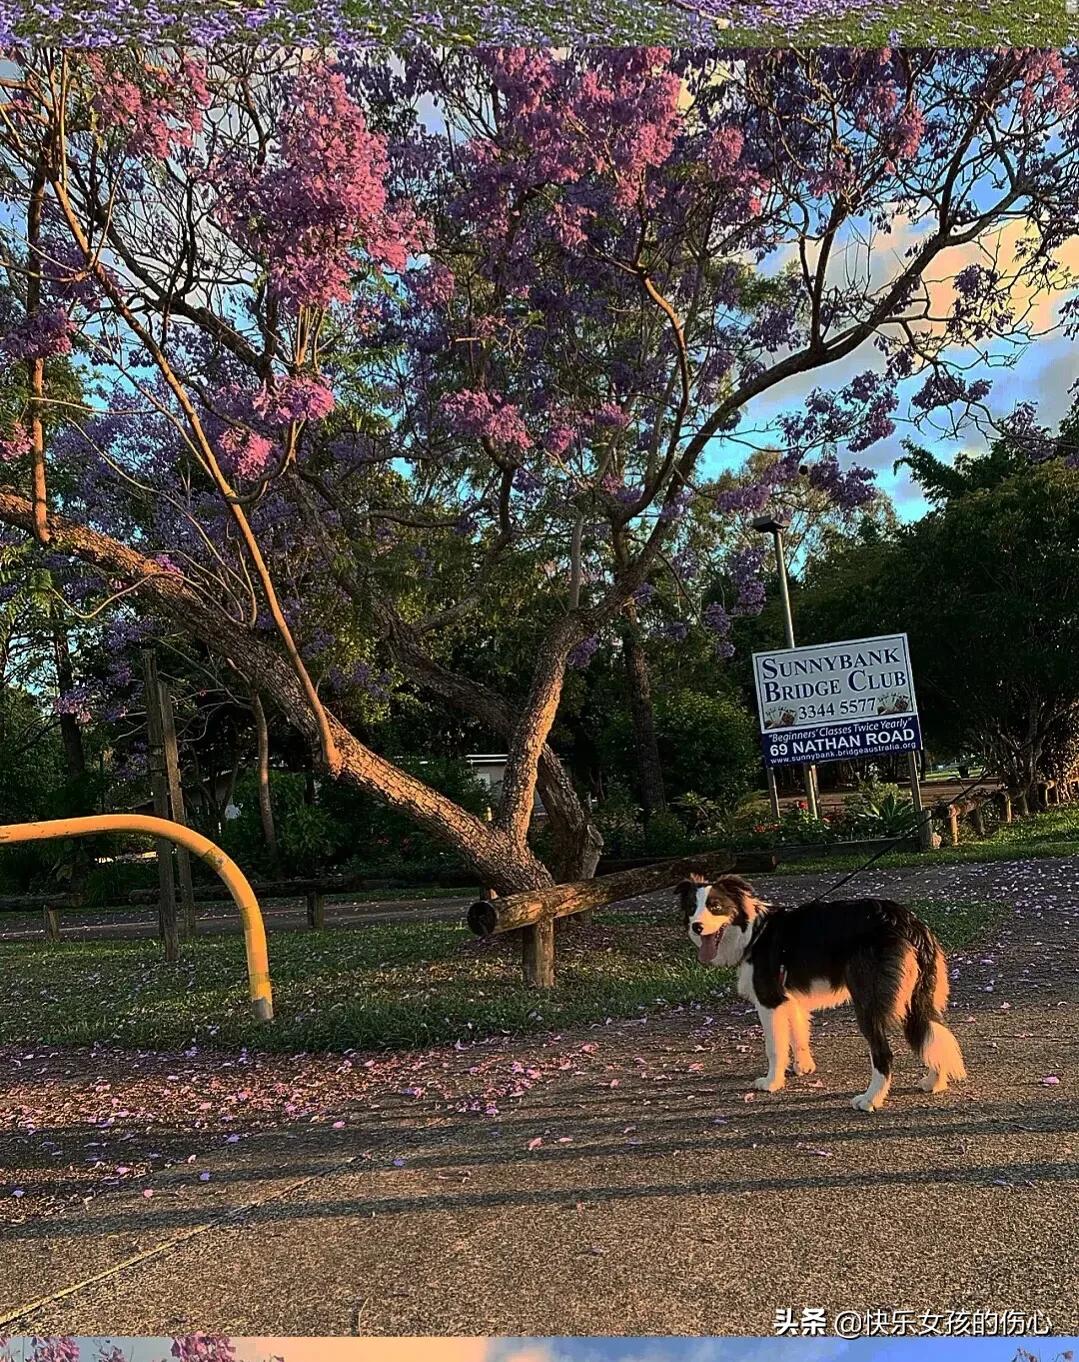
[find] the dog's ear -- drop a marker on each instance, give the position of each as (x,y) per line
(687,895)
(739,891)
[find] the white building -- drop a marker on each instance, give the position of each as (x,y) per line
(490,767)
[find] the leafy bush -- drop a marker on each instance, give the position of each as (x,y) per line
(707,744)
(665,835)
(620,822)
(368,832)
(879,810)
(344,829)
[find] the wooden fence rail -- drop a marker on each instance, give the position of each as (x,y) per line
(535,911)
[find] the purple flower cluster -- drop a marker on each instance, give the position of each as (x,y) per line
(582,653)
(717,619)
(744,569)
(77,702)
(40,336)
(15,444)
(847,489)
(334,22)
(487,416)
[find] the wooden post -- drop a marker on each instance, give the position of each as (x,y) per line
(52,923)
(953,824)
(925,818)
(176,801)
(977,819)
(1005,806)
(316,909)
(538,954)
(159,784)
(773,791)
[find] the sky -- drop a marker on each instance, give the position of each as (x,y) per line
(649,1349)
(1043,372)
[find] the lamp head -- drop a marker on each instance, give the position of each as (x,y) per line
(771,524)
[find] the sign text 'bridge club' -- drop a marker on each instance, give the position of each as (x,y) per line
(836,701)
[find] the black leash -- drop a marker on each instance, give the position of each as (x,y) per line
(882,851)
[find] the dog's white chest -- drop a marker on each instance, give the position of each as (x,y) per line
(820,994)
(745,983)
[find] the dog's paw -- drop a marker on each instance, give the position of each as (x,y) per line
(863,1102)
(767,1084)
(803,1067)
(933,1082)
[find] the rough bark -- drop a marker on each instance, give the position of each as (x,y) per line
(642,714)
(35,364)
(577,842)
(177,804)
(70,732)
(534,723)
(168,924)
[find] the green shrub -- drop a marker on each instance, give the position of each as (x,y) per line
(620,822)
(664,835)
(879,810)
(369,832)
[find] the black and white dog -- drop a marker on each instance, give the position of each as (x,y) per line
(791,962)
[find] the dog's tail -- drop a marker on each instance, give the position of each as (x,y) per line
(924,1025)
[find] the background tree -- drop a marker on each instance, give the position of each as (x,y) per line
(985,587)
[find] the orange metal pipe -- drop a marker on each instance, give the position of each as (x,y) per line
(258,960)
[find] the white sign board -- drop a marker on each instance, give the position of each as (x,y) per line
(836,701)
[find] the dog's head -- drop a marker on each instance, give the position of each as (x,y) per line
(719,916)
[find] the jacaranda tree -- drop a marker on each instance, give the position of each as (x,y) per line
(367,347)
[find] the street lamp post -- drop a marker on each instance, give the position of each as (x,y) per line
(775,525)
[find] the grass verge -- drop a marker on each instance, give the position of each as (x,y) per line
(383,987)
(953,23)
(1052,833)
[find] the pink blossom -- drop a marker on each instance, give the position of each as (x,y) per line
(317,210)
(245,453)
(158,109)
(294,399)
(14,445)
(486,416)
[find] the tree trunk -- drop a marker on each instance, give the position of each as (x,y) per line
(177,807)
(70,732)
(168,925)
(74,750)
(262,735)
(577,842)
(642,713)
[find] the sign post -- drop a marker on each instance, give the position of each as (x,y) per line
(840,702)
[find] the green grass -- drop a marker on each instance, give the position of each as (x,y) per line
(379,987)
(1052,833)
(952,23)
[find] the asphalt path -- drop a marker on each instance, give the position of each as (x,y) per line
(618,1179)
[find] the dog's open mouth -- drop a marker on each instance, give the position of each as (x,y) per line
(707,947)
